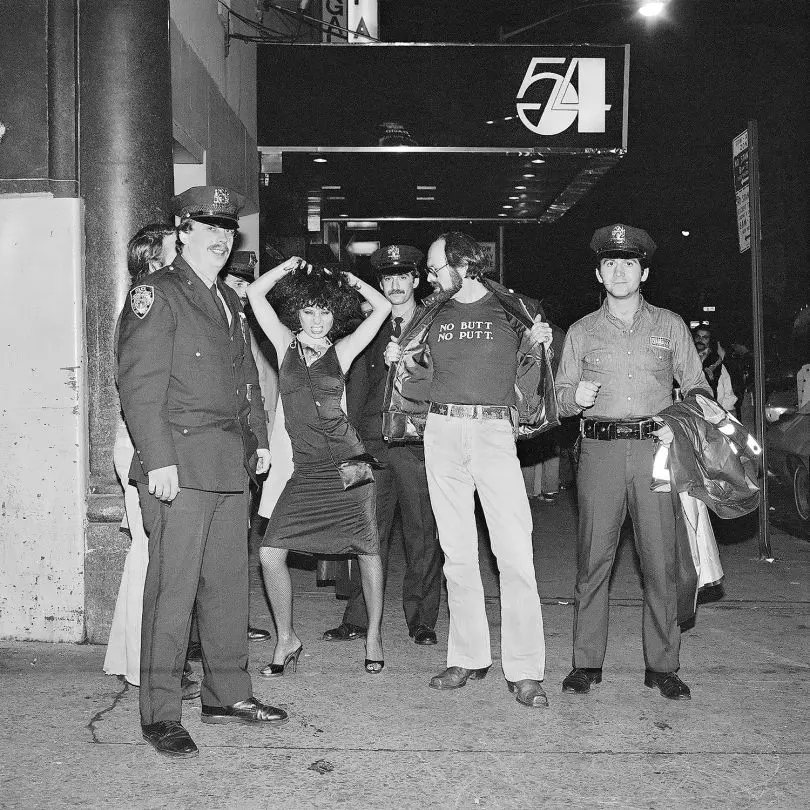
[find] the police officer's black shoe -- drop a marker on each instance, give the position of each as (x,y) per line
(668,683)
(345,632)
(194,652)
(257,634)
(579,680)
(424,636)
(170,739)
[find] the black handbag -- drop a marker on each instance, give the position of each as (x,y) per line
(356,470)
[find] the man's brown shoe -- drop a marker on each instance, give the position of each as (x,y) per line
(668,683)
(529,693)
(170,739)
(579,680)
(456,677)
(345,632)
(250,711)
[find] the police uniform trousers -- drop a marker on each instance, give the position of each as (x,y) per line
(615,476)
(197,557)
(403,481)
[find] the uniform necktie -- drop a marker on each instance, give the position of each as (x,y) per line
(397,330)
(218,302)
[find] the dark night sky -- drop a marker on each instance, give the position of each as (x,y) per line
(695,79)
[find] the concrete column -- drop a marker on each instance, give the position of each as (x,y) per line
(126,180)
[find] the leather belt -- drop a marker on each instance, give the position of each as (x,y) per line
(471,411)
(612,429)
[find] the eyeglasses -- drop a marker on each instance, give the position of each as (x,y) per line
(435,270)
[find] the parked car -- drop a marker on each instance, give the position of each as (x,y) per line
(788,444)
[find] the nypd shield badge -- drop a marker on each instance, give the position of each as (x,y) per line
(141,299)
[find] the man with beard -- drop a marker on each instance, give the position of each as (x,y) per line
(402,482)
(472,375)
(190,398)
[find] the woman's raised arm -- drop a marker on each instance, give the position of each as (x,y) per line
(349,347)
(279,334)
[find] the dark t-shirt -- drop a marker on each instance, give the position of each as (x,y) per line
(474,351)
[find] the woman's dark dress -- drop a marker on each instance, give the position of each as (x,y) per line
(314,513)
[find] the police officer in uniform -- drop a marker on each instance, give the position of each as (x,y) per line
(403,481)
(190,397)
(616,370)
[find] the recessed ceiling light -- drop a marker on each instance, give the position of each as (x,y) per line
(343,215)
(684,233)
(528,176)
(426,188)
(515,197)
(520,188)
(319,160)
(331,188)
(501,215)
(425,199)
(507,206)
(508,117)
(538,160)
(334,197)
(489,122)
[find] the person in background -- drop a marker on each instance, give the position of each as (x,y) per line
(190,396)
(714,367)
(317,512)
(152,247)
(403,482)
(617,370)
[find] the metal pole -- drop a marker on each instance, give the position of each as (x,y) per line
(759,343)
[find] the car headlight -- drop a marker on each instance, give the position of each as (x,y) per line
(773,413)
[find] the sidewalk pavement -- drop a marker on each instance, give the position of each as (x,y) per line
(70,734)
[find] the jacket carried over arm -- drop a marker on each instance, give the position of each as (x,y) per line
(407,395)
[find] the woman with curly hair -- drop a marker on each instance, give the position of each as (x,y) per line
(307,310)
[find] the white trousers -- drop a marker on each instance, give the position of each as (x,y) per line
(462,456)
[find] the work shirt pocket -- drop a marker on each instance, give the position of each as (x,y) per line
(596,363)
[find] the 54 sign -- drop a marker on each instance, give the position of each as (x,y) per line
(578,95)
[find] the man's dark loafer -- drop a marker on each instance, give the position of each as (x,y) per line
(345,632)
(170,739)
(194,652)
(529,692)
(257,634)
(248,711)
(579,680)
(425,636)
(456,677)
(668,683)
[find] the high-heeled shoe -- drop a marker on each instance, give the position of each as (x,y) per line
(289,666)
(374,667)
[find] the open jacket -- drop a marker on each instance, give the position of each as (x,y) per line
(407,392)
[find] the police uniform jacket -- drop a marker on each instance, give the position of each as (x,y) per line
(188,383)
(407,394)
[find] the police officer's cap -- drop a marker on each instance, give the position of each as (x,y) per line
(213,205)
(241,264)
(622,240)
(396,259)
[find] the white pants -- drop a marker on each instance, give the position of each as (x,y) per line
(462,456)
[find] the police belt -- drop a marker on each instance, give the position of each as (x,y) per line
(611,429)
(471,411)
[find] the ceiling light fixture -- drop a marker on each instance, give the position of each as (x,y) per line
(538,160)
(520,188)
(507,206)
(426,188)
(331,188)
(425,199)
(528,176)
(652,9)
(489,122)
(319,160)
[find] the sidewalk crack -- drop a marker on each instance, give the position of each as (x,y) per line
(99,716)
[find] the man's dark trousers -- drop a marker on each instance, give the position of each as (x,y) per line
(197,555)
(403,481)
(614,476)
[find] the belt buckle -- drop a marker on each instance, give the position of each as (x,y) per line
(626,431)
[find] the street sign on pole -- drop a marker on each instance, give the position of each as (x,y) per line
(745,162)
(741,164)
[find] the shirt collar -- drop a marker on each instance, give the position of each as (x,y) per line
(643,309)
